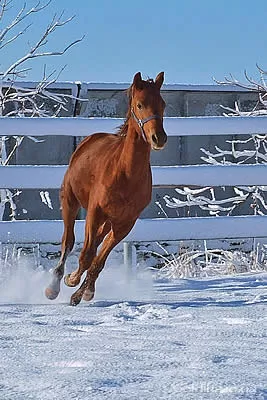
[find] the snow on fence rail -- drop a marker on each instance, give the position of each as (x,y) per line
(150,229)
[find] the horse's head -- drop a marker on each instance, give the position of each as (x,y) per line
(147,108)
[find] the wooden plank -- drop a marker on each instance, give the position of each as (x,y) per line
(144,229)
(51,176)
(179,126)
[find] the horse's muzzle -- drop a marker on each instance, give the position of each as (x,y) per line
(158,140)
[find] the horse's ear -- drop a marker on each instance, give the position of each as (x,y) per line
(137,81)
(159,79)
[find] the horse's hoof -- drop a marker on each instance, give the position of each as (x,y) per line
(68,281)
(88,295)
(75,300)
(50,293)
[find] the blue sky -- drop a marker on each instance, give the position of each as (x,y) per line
(191,40)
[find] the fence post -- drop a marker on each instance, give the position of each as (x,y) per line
(128,254)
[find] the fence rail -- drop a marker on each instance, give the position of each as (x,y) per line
(144,230)
(28,176)
(189,126)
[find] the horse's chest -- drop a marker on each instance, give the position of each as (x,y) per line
(126,202)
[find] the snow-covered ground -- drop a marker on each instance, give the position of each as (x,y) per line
(143,337)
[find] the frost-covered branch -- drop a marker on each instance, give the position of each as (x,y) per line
(256,155)
(22,14)
(188,198)
(34,52)
(213,201)
(250,85)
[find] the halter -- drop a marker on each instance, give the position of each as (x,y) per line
(141,122)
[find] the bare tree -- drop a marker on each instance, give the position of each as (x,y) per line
(259,87)
(15,98)
(29,102)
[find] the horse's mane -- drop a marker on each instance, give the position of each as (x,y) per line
(122,129)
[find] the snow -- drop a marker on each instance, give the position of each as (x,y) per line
(142,337)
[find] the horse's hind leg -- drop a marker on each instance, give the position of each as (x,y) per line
(70,208)
(93,224)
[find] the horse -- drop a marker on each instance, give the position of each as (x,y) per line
(110,176)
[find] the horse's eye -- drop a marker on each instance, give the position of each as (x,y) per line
(139,105)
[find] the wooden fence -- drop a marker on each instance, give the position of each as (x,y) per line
(47,177)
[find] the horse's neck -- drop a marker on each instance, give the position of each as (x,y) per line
(135,155)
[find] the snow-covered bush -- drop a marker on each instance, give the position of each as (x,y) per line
(192,261)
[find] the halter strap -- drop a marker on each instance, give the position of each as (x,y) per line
(141,122)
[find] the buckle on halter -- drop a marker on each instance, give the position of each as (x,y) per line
(141,123)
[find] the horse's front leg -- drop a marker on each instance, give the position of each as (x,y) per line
(102,232)
(87,288)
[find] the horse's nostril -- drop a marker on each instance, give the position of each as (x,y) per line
(154,138)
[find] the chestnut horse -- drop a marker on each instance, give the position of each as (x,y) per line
(110,176)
